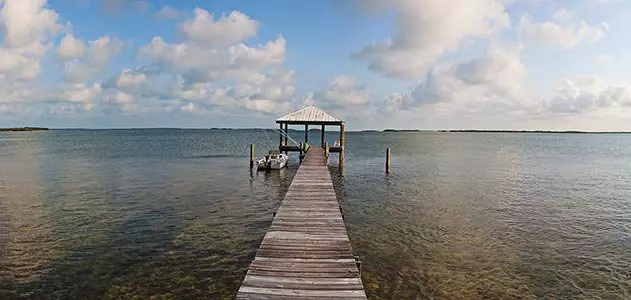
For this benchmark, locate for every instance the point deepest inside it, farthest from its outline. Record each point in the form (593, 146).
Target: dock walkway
(306, 253)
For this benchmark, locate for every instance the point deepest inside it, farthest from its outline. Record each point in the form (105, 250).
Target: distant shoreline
(538, 131)
(505, 131)
(24, 129)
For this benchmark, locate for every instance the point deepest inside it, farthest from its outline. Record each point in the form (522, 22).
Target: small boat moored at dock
(274, 160)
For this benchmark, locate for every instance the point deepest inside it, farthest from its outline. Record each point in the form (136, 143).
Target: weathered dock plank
(306, 253)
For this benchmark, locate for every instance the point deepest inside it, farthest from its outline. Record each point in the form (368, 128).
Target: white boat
(273, 161)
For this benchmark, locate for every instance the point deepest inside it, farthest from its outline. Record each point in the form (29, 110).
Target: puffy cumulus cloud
(343, 97)
(564, 30)
(227, 30)
(343, 91)
(27, 39)
(168, 13)
(266, 93)
(214, 68)
(70, 48)
(264, 105)
(79, 93)
(20, 64)
(189, 107)
(129, 78)
(28, 27)
(588, 94)
(69, 108)
(118, 98)
(26, 22)
(97, 57)
(428, 29)
(190, 56)
(492, 82)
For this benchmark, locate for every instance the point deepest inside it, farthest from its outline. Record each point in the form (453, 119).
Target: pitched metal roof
(309, 114)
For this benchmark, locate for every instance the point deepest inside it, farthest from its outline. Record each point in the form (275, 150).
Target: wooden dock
(306, 253)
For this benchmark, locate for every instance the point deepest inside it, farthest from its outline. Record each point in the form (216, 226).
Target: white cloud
(565, 31)
(69, 109)
(187, 55)
(343, 91)
(227, 30)
(70, 48)
(343, 97)
(263, 105)
(20, 64)
(79, 93)
(428, 29)
(215, 67)
(27, 22)
(493, 81)
(118, 98)
(28, 26)
(189, 108)
(168, 13)
(129, 78)
(588, 93)
(97, 57)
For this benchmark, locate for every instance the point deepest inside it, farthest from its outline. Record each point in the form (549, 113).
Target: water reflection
(25, 228)
(176, 214)
(80, 218)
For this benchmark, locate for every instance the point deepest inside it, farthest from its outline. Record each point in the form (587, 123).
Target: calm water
(176, 214)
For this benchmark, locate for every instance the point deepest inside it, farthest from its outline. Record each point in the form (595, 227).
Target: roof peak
(309, 114)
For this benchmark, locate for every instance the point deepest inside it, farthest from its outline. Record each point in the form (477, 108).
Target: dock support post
(358, 263)
(326, 151)
(300, 155)
(388, 161)
(341, 162)
(286, 134)
(307, 133)
(322, 136)
(251, 156)
(280, 136)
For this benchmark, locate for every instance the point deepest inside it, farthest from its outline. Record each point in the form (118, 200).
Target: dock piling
(388, 161)
(341, 157)
(251, 156)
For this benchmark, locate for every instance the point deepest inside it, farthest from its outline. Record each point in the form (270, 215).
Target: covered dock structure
(314, 116)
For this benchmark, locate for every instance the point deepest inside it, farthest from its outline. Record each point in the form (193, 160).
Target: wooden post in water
(300, 155)
(388, 161)
(326, 151)
(251, 156)
(307, 134)
(322, 136)
(280, 136)
(341, 162)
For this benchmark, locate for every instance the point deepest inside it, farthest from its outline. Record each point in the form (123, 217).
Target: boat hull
(272, 164)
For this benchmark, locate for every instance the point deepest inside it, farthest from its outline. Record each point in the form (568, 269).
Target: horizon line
(318, 129)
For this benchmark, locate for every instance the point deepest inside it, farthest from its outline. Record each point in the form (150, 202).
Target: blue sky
(428, 64)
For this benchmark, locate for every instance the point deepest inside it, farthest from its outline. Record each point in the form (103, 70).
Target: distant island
(535, 131)
(24, 129)
(505, 131)
(402, 130)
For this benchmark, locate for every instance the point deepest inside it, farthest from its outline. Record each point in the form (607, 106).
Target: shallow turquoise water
(177, 214)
